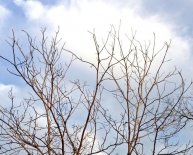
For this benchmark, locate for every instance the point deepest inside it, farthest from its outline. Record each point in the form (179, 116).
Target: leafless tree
(130, 103)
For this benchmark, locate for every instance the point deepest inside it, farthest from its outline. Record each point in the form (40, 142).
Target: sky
(169, 20)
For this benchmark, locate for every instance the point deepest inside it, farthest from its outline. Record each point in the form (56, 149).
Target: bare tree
(131, 102)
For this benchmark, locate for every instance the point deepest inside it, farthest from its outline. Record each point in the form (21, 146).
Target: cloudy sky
(169, 20)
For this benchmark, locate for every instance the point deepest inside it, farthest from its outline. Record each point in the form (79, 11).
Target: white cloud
(32, 9)
(79, 17)
(4, 90)
(4, 14)
(19, 93)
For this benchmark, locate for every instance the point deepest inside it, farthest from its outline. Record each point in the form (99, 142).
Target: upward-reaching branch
(131, 104)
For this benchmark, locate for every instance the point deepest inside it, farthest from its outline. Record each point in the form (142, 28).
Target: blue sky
(169, 19)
